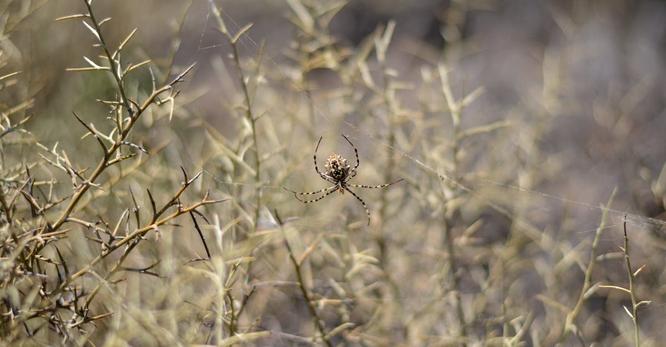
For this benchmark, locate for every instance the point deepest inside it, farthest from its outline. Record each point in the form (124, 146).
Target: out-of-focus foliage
(150, 151)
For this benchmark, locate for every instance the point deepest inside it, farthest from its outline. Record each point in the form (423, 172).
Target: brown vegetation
(142, 200)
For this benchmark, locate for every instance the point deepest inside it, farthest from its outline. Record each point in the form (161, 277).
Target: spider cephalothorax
(338, 172)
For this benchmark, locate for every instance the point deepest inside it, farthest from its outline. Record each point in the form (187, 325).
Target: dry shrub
(161, 211)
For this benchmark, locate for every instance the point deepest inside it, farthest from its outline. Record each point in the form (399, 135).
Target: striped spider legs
(338, 172)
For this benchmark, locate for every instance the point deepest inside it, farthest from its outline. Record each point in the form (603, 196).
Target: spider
(339, 172)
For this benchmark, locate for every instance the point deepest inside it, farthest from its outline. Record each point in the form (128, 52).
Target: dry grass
(142, 201)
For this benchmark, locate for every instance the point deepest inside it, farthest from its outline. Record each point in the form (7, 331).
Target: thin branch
(301, 285)
(569, 324)
(632, 289)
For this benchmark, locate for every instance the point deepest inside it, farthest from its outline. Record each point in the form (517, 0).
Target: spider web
(616, 214)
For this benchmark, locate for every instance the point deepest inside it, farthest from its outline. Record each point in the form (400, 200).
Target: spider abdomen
(337, 167)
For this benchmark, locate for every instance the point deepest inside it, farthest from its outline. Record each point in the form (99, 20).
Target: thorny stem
(122, 132)
(391, 109)
(571, 316)
(232, 325)
(249, 114)
(153, 225)
(138, 233)
(104, 162)
(115, 71)
(632, 294)
(5, 207)
(455, 111)
(388, 173)
(453, 273)
(253, 124)
(301, 285)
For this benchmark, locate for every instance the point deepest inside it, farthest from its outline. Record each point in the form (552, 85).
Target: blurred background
(560, 104)
(609, 54)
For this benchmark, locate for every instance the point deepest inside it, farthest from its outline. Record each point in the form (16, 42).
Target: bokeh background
(485, 242)
(609, 54)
